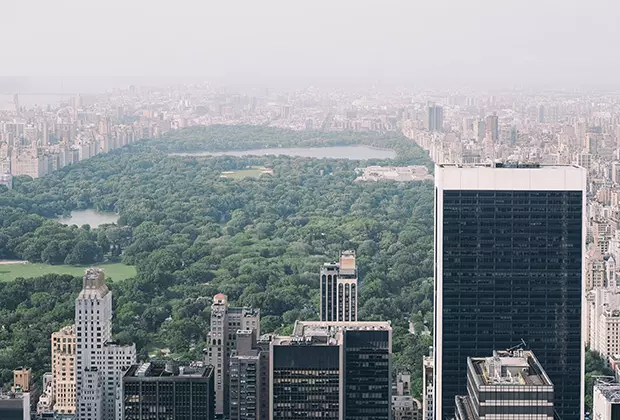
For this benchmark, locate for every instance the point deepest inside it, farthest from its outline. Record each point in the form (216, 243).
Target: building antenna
(521, 345)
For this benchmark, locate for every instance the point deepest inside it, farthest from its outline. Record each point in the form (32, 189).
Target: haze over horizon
(444, 43)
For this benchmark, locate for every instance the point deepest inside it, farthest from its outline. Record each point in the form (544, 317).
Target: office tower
(603, 321)
(249, 378)
(332, 370)
(492, 128)
(222, 340)
(541, 114)
(595, 269)
(434, 118)
(339, 289)
(509, 245)
(514, 135)
(479, 130)
(511, 385)
(606, 400)
(63, 370)
(21, 379)
(163, 391)
(15, 406)
(100, 361)
(592, 143)
(615, 172)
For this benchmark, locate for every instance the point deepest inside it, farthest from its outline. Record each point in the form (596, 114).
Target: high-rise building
(509, 247)
(606, 400)
(339, 289)
(615, 172)
(249, 378)
(163, 391)
(100, 361)
(222, 340)
(332, 370)
(479, 130)
(434, 118)
(63, 370)
(511, 385)
(603, 316)
(595, 269)
(428, 410)
(492, 127)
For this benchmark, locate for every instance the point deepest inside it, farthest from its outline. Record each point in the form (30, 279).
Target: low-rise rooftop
(518, 367)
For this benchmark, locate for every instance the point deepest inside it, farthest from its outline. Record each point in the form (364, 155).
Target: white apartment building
(603, 315)
(100, 362)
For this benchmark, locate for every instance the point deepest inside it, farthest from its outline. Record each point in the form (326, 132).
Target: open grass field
(9, 272)
(253, 171)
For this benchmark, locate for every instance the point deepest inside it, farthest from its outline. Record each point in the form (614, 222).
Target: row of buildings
(510, 273)
(334, 368)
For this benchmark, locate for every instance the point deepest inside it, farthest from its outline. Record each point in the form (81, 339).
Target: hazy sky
(101, 43)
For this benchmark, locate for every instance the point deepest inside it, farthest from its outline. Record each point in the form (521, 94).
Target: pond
(335, 152)
(89, 217)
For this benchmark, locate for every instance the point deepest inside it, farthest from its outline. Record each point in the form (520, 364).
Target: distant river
(89, 217)
(334, 152)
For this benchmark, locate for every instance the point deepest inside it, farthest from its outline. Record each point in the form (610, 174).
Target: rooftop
(169, 370)
(312, 328)
(93, 284)
(508, 165)
(326, 333)
(518, 367)
(610, 390)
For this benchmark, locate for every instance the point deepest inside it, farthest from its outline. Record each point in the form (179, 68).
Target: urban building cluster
(527, 247)
(544, 166)
(335, 368)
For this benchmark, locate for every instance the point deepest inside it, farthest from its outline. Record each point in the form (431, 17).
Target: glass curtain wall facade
(306, 382)
(367, 375)
(509, 268)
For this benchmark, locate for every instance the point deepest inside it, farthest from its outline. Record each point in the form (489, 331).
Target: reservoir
(89, 217)
(357, 152)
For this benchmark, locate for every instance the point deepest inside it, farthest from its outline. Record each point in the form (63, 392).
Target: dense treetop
(192, 233)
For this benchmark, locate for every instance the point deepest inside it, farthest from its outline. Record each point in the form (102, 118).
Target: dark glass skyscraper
(157, 391)
(332, 370)
(509, 244)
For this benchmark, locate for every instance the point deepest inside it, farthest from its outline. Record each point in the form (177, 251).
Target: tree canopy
(191, 234)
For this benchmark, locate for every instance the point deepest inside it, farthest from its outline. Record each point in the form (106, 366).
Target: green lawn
(253, 171)
(10, 272)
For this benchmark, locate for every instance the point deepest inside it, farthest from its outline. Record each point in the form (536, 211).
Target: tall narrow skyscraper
(509, 246)
(492, 127)
(222, 340)
(434, 118)
(339, 289)
(100, 361)
(63, 370)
